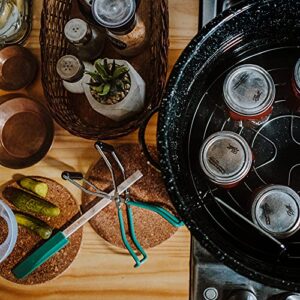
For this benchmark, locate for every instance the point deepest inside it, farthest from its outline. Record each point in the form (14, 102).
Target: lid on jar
(225, 157)
(249, 90)
(116, 15)
(297, 74)
(276, 210)
(70, 68)
(77, 30)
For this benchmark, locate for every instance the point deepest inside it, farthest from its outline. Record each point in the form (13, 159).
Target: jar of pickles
(226, 158)
(249, 93)
(276, 210)
(294, 95)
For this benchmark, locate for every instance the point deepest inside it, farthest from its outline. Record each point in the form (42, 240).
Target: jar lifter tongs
(103, 150)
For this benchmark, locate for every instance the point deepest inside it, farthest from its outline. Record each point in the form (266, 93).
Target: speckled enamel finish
(260, 24)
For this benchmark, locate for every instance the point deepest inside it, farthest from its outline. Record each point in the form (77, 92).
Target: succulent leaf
(105, 90)
(120, 71)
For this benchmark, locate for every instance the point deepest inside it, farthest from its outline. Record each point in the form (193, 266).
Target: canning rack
(274, 144)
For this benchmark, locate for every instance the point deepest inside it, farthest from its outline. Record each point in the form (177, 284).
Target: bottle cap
(76, 30)
(225, 158)
(116, 15)
(276, 210)
(249, 90)
(70, 68)
(8, 245)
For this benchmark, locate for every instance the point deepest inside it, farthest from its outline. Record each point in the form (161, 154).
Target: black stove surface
(210, 279)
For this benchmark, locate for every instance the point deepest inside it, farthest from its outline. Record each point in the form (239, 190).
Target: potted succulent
(114, 89)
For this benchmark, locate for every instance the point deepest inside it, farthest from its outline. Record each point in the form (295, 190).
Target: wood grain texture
(102, 271)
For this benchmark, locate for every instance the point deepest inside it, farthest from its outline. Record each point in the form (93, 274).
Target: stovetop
(210, 279)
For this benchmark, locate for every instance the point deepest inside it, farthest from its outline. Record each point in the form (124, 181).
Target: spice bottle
(71, 70)
(249, 93)
(88, 42)
(125, 29)
(226, 158)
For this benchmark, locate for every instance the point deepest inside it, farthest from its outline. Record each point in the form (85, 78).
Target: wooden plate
(27, 241)
(26, 132)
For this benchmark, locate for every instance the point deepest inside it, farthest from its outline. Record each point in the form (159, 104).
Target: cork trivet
(150, 228)
(27, 240)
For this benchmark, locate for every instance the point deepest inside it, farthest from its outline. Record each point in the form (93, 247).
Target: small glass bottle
(125, 29)
(226, 158)
(88, 42)
(249, 94)
(72, 71)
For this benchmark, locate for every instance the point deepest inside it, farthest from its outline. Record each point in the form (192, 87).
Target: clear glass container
(275, 209)
(15, 21)
(249, 93)
(226, 158)
(125, 29)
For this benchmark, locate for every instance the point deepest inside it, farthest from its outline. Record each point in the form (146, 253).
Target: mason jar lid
(249, 90)
(276, 210)
(297, 74)
(225, 157)
(114, 14)
(76, 30)
(69, 68)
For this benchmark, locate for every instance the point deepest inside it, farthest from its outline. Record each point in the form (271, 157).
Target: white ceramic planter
(130, 105)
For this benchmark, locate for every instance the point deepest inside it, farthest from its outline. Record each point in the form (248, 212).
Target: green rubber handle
(40, 256)
(173, 220)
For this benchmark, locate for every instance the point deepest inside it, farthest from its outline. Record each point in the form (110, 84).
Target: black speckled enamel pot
(266, 33)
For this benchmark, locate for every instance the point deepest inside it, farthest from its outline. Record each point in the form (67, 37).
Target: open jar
(276, 209)
(249, 93)
(226, 158)
(125, 29)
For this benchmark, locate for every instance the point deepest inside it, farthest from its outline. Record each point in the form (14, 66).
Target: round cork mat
(150, 228)
(28, 240)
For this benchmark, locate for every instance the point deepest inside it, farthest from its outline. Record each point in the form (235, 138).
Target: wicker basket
(73, 112)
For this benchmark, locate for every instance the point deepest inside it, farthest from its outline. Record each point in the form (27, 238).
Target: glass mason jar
(276, 209)
(294, 95)
(226, 158)
(249, 93)
(15, 21)
(125, 29)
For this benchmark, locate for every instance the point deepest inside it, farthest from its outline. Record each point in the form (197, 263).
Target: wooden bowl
(18, 67)
(26, 132)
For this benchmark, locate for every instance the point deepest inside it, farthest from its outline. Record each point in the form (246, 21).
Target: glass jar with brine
(226, 158)
(294, 95)
(125, 29)
(276, 210)
(249, 93)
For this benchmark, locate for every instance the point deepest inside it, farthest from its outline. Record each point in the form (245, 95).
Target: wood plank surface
(102, 271)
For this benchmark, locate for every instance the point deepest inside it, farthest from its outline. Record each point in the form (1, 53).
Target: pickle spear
(35, 225)
(37, 187)
(30, 203)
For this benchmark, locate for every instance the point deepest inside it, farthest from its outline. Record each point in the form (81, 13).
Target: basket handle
(142, 140)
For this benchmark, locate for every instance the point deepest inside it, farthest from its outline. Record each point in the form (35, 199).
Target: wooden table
(102, 271)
